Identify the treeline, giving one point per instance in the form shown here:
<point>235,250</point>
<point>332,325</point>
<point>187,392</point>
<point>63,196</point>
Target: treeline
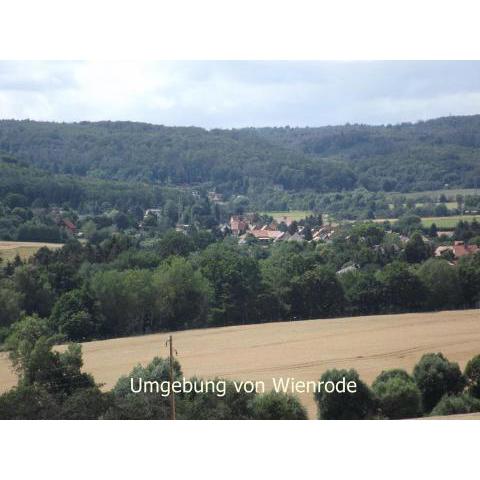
<point>436,387</point>
<point>118,287</point>
<point>406,157</point>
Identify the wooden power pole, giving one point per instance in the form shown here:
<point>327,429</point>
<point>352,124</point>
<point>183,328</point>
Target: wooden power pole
<point>172,395</point>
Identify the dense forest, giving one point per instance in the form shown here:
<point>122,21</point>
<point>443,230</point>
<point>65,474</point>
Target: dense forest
<point>406,157</point>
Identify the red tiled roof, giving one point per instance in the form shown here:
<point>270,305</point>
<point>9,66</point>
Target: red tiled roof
<point>69,224</point>
<point>460,249</point>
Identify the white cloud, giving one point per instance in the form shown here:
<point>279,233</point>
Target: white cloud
<point>238,94</point>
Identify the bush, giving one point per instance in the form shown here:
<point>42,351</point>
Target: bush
<point>435,377</point>
<point>398,395</point>
<point>472,376</point>
<point>455,404</point>
<point>234,405</point>
<point>143,406</point>
<point>277,406</point>
<point>28,402</point>
<point>345,406</point>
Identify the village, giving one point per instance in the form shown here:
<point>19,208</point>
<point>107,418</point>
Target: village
<point>282,229</point>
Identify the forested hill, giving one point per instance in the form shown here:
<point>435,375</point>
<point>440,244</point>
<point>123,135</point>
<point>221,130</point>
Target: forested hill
<point>406,157</point>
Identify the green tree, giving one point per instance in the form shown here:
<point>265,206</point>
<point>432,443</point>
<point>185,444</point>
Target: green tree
<point>442,283</point>
<point>398,395</point>
<point>435,376</point>
<point>469,274</point>
<point>28,402</point>
<point>37,293</point>
<point>143,405</point>
<point>235,279</point>
<point>71,317</point>
<point>208,405</point>
<point>363,292</point>
<point>472,375</point>
<point>277,406</point>
<point>416,250</point>
<point>181,295</point>
<point>175,243</point>
<point>125,301</point>
<point>50,383</point>
<point>345,406</point>
<point>456,404</point>
<point>10,302</point>
<point>402,289</point>
<point>317,293</point>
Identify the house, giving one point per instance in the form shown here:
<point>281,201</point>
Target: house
<point>439,251</point>
<point>238,225</point>
<point>348,268</point>
<point>460,249</point>
<point>71,227</point>
<point>267,235</point>
<point>324,233</point>
<point>153,211</point>
<point>296,237</point>
<point>183,228</point>
<point>215,197</point>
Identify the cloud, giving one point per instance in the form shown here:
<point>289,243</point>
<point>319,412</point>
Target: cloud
<point>239,94</point>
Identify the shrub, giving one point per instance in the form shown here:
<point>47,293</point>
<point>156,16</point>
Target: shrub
<point>277,406</point>
<point>435,376</point>
<point>398,395</point>
<point>472,376</point>
<point>208,405</point>
<point>455,404</point>
<point>345,406</point>
<point>143,405</point>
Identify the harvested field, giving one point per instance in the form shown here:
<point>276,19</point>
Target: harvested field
<point>303,350</point>
<point>8,250</point>
<point>294,214</point>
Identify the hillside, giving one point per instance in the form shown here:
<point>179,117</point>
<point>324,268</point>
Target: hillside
<point>303,350</point>
<point>406,157</point>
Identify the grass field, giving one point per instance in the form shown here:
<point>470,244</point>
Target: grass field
<point>449,193</point>
<point>447,222</point>
<point>449,205</point>
<point>8,250</point>
<point>295,214</point>
<point>441,222</point>
<point>303,350</point>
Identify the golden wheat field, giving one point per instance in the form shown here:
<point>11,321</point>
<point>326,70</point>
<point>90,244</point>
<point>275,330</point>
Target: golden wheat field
<point>303,349</point>
<point>8,250</point>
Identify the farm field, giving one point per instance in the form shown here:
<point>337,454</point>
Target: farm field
<point>303,350</point>
<point>295,214</point>
<point>449,193</point>
<point>447,222</point>
<point>8,250</point>
<point>440,222</point>
<point>449,205</point>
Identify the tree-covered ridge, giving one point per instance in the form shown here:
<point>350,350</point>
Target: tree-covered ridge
<point>406,157</point>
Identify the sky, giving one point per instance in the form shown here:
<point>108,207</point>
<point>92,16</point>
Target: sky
<point>220,94</point>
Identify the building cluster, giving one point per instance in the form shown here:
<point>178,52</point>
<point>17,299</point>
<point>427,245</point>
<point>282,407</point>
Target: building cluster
<point>279,230</point>
<point>456,251</point>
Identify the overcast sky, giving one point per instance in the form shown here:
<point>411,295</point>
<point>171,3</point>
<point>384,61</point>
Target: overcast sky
<point>239,94</point>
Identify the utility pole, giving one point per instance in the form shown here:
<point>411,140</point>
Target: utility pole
<point>172,395</point>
